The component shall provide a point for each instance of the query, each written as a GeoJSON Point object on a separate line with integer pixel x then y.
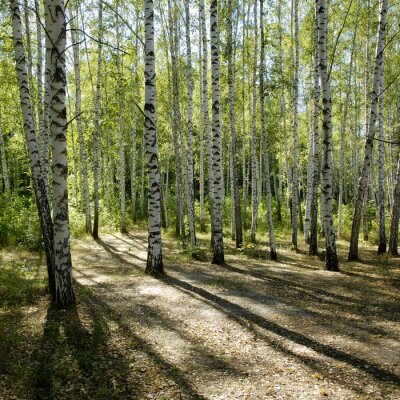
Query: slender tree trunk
{"type": "Point", "coordinates": [189, 173]}
{"type": "Point", "coordinates": [342, 167]}
{"type": "Point", "coordinates": [381, 168]}
{"type": "Point", "coordinates": [365, 173]}
{"type": "Point", "coordinates": [201, 133]}
{"type": "Point", "coordinates": [154, 254]}
{"type": "Point", "coordinates": [309, 187]}
{"type": "Point", "coordinates": [122, 201]}
{"type": "Point", "coordinates": [176, 127]}
{"type": "Point", "coordinates": [78, 97]}
{"type": "Point", "coordinates": [206, 117]}
{"type": "Point", "coordinates": [394, 225]}
{"type": "Point", "coordinates": [295, 183]}
{"type": "Point", "coordinates": [218, 257]}
{"type": "Point", "coordinates": [330, 240]}
{"type": "Point", "coordinates": [237, 214]}
{"type": "Point", "coordinates": [39, 184]}
{"type": "Point", "coordinates": [254, 163]}
{"type": "Point", "coordinates": [313, 241]}
{"type": "Point", "coordinates": [96, 133]}
{"type": "Point", "coordinates": [264, 140]}
{"type": "Point", "coordinates": [4, 167]}
{"type": "Point", "coordinates": [55, 15]}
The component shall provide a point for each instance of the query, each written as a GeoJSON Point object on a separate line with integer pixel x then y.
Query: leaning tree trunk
{"type": "Point", "coordinates": [254, 163]}
{"type": "Point", "coordinates": [58, 129]}
{"type": "Point", "coordinates": [96, 133]}
{"type": "Point", "coordinates": [237, 214]}
{"type": "Point", "coordinates": [394, 226]}
{"type": "Point", "coordinates": [381, 170]}
{"type": "Point", "coordinates": [78, 98]}
{"type": "Point", "coordinates": [365, 173]}
{"type": "Point", "coordinates": [264, 140]}
{"type": "Point", "coordinates": [332, 263]}
{"type": "Point", "coordinates": [313, 240]}
{"type": "Point", "coordinates": [39, 183]}
{"type": "Point", "coordinates": [218, 257]}
{"type": "Point", "coordinates": [295, 183]}
{"type": "Point", "coordinates": [4, 168]}
{"type": "Point", "coordinates": [189, 173]}
{"type": "Point", "coordinates": [154, 253]}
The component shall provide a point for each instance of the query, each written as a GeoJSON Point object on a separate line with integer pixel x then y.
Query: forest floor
{"type": "Point", "coordinates": [251, 329]}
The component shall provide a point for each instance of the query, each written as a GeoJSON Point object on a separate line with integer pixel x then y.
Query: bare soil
{"type": "Point", "coordinates": [251, 329]}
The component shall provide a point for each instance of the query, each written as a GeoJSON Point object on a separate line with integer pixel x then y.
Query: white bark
{"type": "Point", "coordinates": [295, 183]}
{"type": "Point", "coordinates": [154, 254]}
{"type": "Point", "coordinates": [96, 133]}
{"type": "Point", "coordinates": [78, 100]}
{"type": "Point", "coordinates": [189, 174]}
{"type": "Point", "coordinates": [218, 257]}
{"type": "Point", "coordinates": [365, 173]}
{"type": "Point", "coordinates": [122, 200]}
{"type": "Point", "coordinates": [326, 164]}
{"type": "Point", "coordinates": [58, 128]}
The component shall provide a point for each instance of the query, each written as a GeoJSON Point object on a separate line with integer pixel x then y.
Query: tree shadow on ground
{"type": "Point", "coordinates": [241, 314]}
{"type": "Point", "coordinates": [77, 359]}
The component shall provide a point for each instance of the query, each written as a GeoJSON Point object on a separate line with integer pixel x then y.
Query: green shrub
{"type": "Point", "coordinates": [19, 222]}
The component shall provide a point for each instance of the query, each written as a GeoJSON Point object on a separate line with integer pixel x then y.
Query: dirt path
{"type": "Point", "coordinates": [248, 330]}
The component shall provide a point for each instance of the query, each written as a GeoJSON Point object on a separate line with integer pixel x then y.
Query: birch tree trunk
{"type": "Point", "coordinates": [254, 163]}
{"type": "Point", "coordinates": [295, 183]}
{"type": "Point", "coordinates": [154, 254]}
{"type": "Point", "coordinates": [122, 176]}
{"type": "Point", "coordinates": [264, 140]}
{"type": "Point", "coordinates": [313, 241]}
{"type": "Point", "coordinates": [189, 174]}
{"type": "Point", "coordinates": [332, 263]}
{"type": "Point", "coordinates": [58, 128]}
{"type": "Point", "coordinates": [78, 99]}
{"type": "Point", "coordinates": [39, 184]}
{"type": "Point", "coordinates": [206, 118]}
{"type": "Point", "coordinates": [218, 257]}
{"type": "Point", "coordinates": [4, 167]}
{"type": "Point", "coordinates": [237, 214]}
{"type": "Point", "coordinates": [96, 133]}
{"type": "Point", "coordinates": [342, 167]}
{"type": "Point", "coordinates": [381, 168]}
{"type": "Point", "coordinates": [201, 132]}
{"type": "Point", "coordinates": [365, 173]}
{"type": "Point", "coordinates": [394, 225]}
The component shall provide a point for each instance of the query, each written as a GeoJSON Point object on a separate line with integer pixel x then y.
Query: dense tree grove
{"type": "Point", "coordinates": [250, 119]}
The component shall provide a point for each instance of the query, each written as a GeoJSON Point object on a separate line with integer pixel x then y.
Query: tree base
{"type": "Point", "coordinates": [382, 248]}
{"type": "Point", "coordinates": [155, 266]}
{"type": "Point", "coordinates": [353, 257]}
{"type": "Point", "coordinates": [218, 257]}
{"type": "Point", "coordinates": [274, 256]}
{"type": "Point", "coordinates": [332, 262]}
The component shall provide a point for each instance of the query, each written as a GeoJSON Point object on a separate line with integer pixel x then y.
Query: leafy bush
{"type": "Point", "coordinates": [19, 222]}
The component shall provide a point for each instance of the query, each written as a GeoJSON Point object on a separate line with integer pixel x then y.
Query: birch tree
{"type": "Point", "coordinates": [295, 183]}
{"type": "Point", "coordinates": [154, 254]}
{"type": "Point", "coordinates": [58, 129]}
{"type": "Point", "coordinates": [217, 226]}
{"type": "Point", "coordinates": [237, 214]}
{"type": "Point", "coordinates": [370, 134]}
{"type": "Point", "coordinates": [254, 163]}
{"type": "Point", "coordinates": [332, 263]}
{"type": "Point", "coordinates": [78, 99]}
{"type": "Point", "coordinates": [4, 168]}
{"type": "Point", "coordinates": [96, 133]}
{"type": "Point", "coordinates": [264, 139]}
